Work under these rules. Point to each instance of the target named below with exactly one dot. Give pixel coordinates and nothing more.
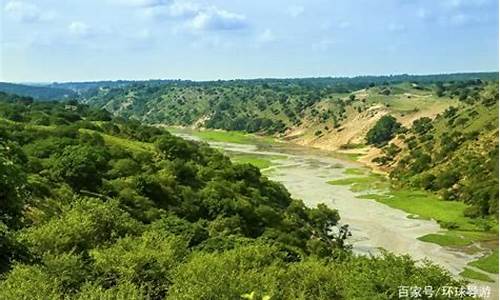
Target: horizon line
(249, 78)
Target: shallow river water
(305, 172)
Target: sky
(70, 40)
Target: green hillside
(38, 92)
(94, 208)
(455, 154)
(275, 106)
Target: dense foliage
(93, 208)
(384, 130)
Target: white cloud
(79, 29)
(26, 12)
(213, 18)
(176, 9)
(183, 9)
(197, 17)
(140, 3)
(266, 36)
(295, 10)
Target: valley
(328, 171)
(249, 150)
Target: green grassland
(488, 263)
(355, 171)
(133, 145)
(236, 137)
(456, 238)
(405, 98)
(449, 214)
(362, 183)
(260, 161)
(471, 274)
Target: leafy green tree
(82, 167)
(122, 290)
(383, 131)
(145, 261)
(422, 126)
(124, 167)
(12, 183)
(29, 282)
(81, 226)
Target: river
(374, 226)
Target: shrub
(383, 131)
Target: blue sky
(54, 40)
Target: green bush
(383, 131)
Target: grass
(425, 205)
(445, 240)
(421, 100)
(134, 146)
(348, 156)
(421, 204)
(456, 238)
(354, 171)
(236, 137)
(471, 274)
(429, 206)
(260, 161)
(488, 263)
(364, 183)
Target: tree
(82, 225)
(81, 167)
(99, 115)
(12, 183)
(422, 125)
(383, 131)
(440, 89)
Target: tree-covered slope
(272, 106)
(38, 92)
(455, 154)
(94, 208)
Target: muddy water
(374, 225)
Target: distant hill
(85, 86)
(310, 108)
(37, 92)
